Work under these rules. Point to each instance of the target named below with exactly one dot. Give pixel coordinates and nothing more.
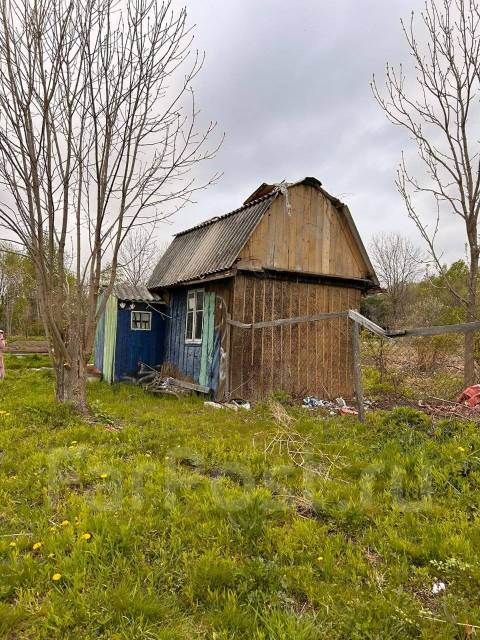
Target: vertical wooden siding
(183, 355)
(133, 347)
(99, 343)
(205, 362)
(313, 238)
(110, 338)
(207, 353)
(311, 358)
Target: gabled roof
(214, 245)
(209, 247)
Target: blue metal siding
(184, 356)
(138, 346)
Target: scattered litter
(438, 587)
(441, 408)
(214, 405)
(233, 404)
(315, 403)
(337, 407)
(348, 411)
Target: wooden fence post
(357, 370)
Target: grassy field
(166, 519)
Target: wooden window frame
(148, 313)
(194, 313)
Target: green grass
(197, 533)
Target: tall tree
(438, 105)
(398, 263)
(138, 256)
(98, 134)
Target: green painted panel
(110, 339)
(206, 356)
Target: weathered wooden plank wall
(204, 363)
(183, 355)
(110, 339)
(311, 358)
(314, 238)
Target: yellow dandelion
(320, 558)
(37, 546)
(73, 442)
(461, 449)
(65, 523)
(103, 476)
(56, 577)
(13, 544)
(87, 536)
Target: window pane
(198, 325)
(191, 301)
(199, 300)
(189, 329)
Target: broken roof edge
(205, 223)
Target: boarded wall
(202, 362)
(313, 237)
(303, 359)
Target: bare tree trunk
(439, 110)
(74, 390)
(471, 311)
(97, 137)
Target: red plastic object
(470, 396)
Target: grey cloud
(288, 82)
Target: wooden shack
(290, 250)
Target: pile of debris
(154, 380)
(339, 406)
(465, 407)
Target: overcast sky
(288, 83)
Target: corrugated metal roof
(137, 293)
(209, 247)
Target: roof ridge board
(272, 194)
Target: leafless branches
(438, 105)
(98, 135)
(138, 256)
(398, 263)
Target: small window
(141, 320)
(194, 320)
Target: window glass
(198, 325)
(189, 329)
(141, 320)
(194, 319)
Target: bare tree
(398, 263)
(98, 135)
(439, 109)
(138, 256)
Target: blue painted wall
(184, 356)
(133, 347)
